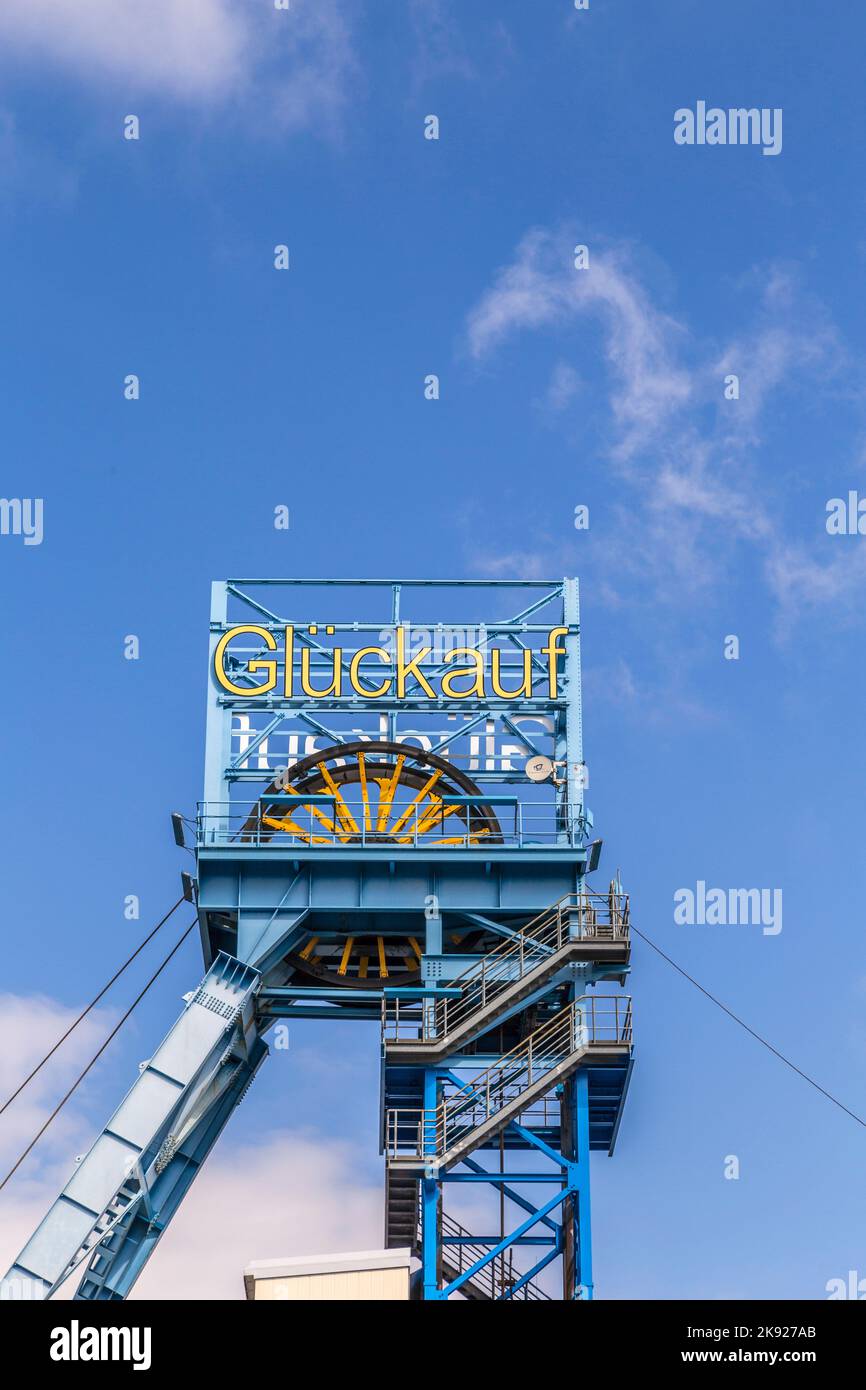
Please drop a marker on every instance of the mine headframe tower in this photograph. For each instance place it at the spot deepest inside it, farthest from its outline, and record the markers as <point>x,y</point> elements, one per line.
<point>385,836</point>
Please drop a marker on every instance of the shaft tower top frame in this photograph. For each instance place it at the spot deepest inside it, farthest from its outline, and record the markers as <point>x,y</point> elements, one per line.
<point>393,829</point>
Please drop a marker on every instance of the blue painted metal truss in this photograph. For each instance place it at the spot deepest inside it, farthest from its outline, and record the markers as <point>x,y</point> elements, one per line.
<point>393,828</point>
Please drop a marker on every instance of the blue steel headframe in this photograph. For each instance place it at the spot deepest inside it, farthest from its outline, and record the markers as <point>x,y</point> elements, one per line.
<point>252,737</point>
<point>485,946</point>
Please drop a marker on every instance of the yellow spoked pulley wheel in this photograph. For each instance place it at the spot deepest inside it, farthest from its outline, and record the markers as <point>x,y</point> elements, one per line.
<point>378,794</point>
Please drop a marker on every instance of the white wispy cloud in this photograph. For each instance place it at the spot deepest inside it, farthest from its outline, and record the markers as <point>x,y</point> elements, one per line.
<point>287,1193</point>
<point>529,564</point>
<point>653,701</point>
<point>187,48</point>
<point>564,386</point>
<point>29,1027</point>
<point>790,336</point>
<point>295,64</point>
<point>542,289</point>
<point>801,583</point>
<point>689,461</point>
<point>442,49</point>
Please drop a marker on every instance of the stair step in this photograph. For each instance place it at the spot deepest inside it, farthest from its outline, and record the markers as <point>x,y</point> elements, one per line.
<point>401,1209</point>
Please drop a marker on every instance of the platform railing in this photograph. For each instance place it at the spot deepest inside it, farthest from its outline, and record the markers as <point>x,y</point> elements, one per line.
<point>576,917</point>
<point>242,825</point>
<point>496,1279</point>
<point>587,1022</point>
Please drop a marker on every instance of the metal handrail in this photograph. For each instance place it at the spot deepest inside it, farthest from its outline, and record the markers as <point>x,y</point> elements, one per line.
<point>243,824</point>
<point>496,1278</point>
<point>591,1020</point>
<point>577,916</point>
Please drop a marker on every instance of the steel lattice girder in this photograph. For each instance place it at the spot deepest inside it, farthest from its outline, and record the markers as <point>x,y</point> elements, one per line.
<point>179,1102</point>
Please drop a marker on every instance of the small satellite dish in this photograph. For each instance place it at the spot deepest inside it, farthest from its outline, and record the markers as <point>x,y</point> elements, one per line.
<point>539,769</point>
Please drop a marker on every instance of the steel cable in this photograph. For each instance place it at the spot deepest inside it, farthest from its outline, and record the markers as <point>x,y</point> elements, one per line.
<point>94,1001</point>
<point>94,1059</point>
<point>763,1041</point>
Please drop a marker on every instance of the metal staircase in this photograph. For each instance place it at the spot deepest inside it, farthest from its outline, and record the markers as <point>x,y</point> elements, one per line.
<point>401,1209</point>
<point>551,1068</point>
<point>496,1280</point>
<point>460,1250</point>
<point>470,1112</point>
<point>582,927</point>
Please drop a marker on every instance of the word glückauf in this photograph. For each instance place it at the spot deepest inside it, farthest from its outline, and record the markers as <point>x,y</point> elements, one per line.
<point>407,679</point>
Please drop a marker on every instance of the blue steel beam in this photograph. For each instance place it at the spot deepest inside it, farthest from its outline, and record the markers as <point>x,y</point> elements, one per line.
<point>579,1180</point>
<point>359,881</point>
<point>514,1196</point>
<point>117,1262</point>
<point>500,1179</point>
<point>501,1245</point>
<point>536,1241</point>
<point>530,1274</point>
<point>430,1199</point>
<point>196,1074</point>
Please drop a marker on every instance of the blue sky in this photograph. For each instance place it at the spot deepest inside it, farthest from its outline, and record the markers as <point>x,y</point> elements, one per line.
<point>559,387</point>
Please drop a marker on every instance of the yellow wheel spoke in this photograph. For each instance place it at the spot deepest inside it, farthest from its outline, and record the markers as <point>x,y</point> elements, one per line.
<point>382,811</point>
<point>341,835</point>
<point>319,815</point>
<point>323,819</point>
<point>431,781</point>
<point>409,804</point>
<point>314,810</point>
<point>362,772</point>
<point>436,814</point>
<point>346,818</point>
<point>387,788</point>
<point>287,824</point>
<point>474,839</point>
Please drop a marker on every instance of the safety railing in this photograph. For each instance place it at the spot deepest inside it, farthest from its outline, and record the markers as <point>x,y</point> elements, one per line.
<point>496,1279</point>
<point>591,1021</point>
<point>576,917</point>
<point>261,825</point>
